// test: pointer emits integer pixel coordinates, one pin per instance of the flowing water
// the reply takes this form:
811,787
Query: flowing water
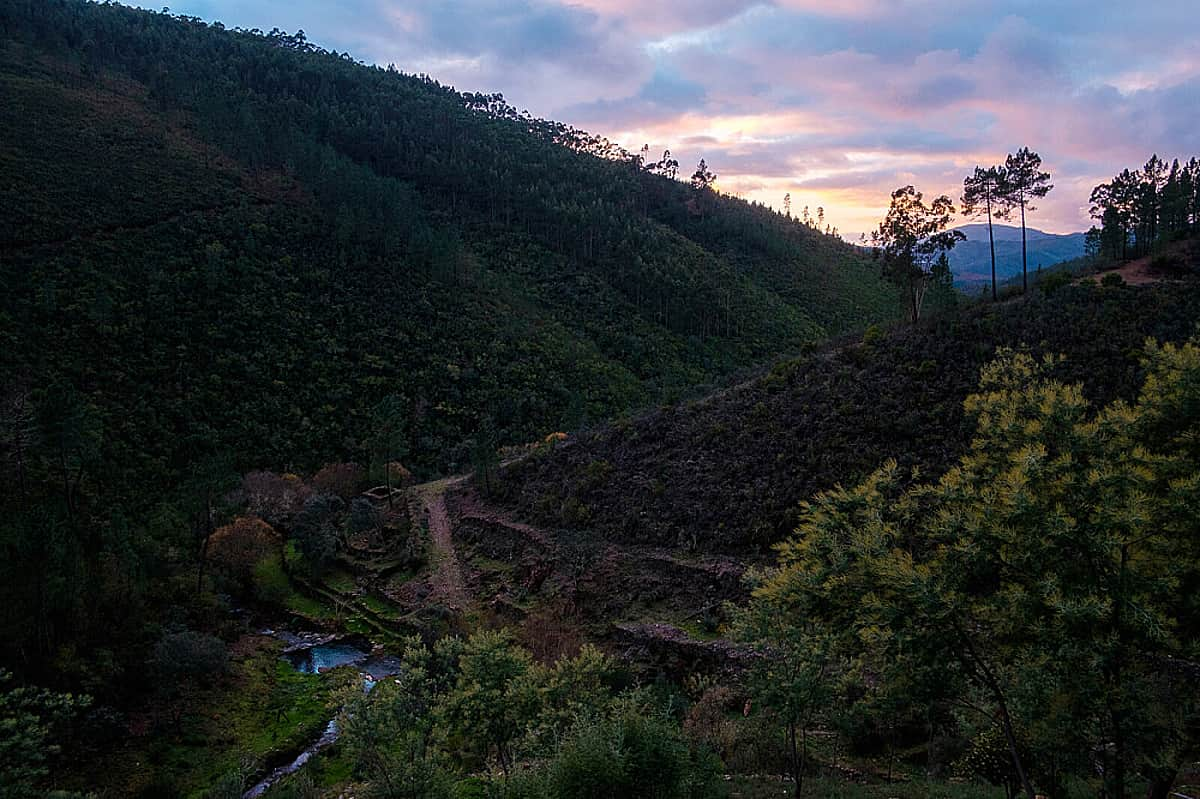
314,655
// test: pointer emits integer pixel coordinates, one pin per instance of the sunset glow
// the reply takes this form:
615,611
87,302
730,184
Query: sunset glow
836,103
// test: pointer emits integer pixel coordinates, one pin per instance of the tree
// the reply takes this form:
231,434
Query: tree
388,733
942,296
1093,242
316,532
667,166
485,460
18,432
983,193
240,546
1036,583
183,660
493,698
703,178
787,205
32,724
71,430
909,239
1023,182
792,673
210,480
389,436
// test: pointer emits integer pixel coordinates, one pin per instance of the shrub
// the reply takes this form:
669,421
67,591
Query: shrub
630,756
238,548
1054,281
1112,280
1169,264
188,656
274,498
342,479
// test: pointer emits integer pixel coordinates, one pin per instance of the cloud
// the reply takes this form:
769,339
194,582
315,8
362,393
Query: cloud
836,102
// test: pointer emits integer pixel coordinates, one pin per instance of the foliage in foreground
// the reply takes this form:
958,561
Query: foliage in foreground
1039,592
483,706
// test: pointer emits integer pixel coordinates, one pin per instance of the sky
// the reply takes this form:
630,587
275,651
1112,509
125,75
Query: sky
835,102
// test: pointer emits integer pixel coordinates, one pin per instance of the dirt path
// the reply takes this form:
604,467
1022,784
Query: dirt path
1143,271
446,580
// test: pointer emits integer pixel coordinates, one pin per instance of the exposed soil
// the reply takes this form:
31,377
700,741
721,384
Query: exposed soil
1148,269
446,582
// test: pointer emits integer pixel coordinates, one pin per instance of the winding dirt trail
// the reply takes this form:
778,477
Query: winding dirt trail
446,581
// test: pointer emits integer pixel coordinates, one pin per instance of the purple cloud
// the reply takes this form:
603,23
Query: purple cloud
835,102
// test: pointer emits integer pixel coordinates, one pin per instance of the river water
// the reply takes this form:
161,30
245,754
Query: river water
313,655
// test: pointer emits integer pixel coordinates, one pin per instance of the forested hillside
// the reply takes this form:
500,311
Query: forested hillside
971,259
240,236
228,250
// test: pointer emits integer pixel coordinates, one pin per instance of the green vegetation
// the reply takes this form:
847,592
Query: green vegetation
261,711
228,250
482,707
236,266
32,720
1036,593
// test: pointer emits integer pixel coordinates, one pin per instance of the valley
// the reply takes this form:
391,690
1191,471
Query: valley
361,436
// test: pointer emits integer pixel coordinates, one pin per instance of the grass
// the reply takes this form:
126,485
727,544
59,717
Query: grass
261,713
698,631
328,769
381,607
484,563
339,581
272,710
308,607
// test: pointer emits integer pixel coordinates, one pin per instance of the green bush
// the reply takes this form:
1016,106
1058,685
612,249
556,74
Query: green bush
1112,280
629,756
1053,282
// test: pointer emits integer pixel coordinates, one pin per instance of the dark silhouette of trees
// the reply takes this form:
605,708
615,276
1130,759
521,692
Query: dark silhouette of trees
703,178
909,240
983,193
1143,208
1024,182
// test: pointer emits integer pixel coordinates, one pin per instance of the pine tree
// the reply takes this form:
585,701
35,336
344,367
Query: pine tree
983,192
1024,182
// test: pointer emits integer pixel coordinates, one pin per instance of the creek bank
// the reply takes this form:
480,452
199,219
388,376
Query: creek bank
317,653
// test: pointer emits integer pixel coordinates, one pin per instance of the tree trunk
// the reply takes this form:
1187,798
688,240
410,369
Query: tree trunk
1011,737
206,531
992,245
977,663
797,777
1024,259
66,480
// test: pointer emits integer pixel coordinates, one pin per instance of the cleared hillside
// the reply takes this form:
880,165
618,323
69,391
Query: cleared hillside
728,474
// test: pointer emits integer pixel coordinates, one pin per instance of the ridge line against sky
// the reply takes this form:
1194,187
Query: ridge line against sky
837,103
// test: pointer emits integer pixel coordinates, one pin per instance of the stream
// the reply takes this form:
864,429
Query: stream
314,654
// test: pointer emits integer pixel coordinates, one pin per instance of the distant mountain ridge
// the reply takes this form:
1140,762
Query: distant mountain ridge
971,259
